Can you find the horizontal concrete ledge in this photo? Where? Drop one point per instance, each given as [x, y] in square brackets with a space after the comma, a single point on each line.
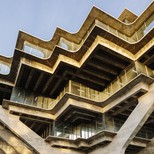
[11, 143]
[138, 84]
[141, 78]
[29, 137]
[24, 109]
[102, 137]
[7, 103]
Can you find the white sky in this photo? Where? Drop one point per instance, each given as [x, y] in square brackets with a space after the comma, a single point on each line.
[41, 17]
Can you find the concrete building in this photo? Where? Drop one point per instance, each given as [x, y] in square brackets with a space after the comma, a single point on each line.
[86, 93]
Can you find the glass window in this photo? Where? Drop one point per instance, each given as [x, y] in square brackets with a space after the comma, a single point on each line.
[4, 69]
[149, 27]
[64, 45]
[27, 97]
[33, 51]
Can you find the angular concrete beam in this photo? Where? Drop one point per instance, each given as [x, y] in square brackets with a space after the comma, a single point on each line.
[125, 95]
[33, 140]
[17, 146]
[4, 148]
[149, 149]
[131, 126]
[78, 104]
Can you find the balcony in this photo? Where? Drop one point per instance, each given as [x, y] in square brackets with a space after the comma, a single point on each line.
[21, 96]
[129, 74]
[79, 90]
[87, 135]
[88, 129]
[138, 35]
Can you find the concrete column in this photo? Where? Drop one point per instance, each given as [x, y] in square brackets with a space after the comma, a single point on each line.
[131, 126]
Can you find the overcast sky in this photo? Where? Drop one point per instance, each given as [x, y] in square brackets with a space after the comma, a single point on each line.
[41, 17]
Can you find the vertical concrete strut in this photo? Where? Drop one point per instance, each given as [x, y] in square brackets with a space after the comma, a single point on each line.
[131, 126]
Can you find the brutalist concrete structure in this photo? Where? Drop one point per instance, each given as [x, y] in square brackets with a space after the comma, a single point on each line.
[86, 93]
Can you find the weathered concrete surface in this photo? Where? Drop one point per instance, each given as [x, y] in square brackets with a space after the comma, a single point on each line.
[132, 125]
[5, 148]
[149, 149]
[28, 136]
[12, 144]
[2, 152]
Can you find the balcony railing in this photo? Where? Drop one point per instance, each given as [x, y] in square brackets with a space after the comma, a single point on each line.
[138, 35]
[121, 81]
[29, 98]
[86, 130]
[71, 46]
[80, 90]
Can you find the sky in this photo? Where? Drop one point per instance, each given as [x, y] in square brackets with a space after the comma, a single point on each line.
[41, 17]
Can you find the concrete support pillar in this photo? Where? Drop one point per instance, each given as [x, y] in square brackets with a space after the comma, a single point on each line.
[131, 126]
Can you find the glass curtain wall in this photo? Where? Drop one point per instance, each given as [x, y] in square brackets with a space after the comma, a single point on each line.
[87, 130]
[29, 98]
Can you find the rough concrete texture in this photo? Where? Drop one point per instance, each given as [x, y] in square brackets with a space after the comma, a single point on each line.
[28, 136]
[149, 149]
[132, 125]
[11, 144]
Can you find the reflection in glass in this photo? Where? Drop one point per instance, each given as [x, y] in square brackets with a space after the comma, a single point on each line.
[4, 69]
[33, 51]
